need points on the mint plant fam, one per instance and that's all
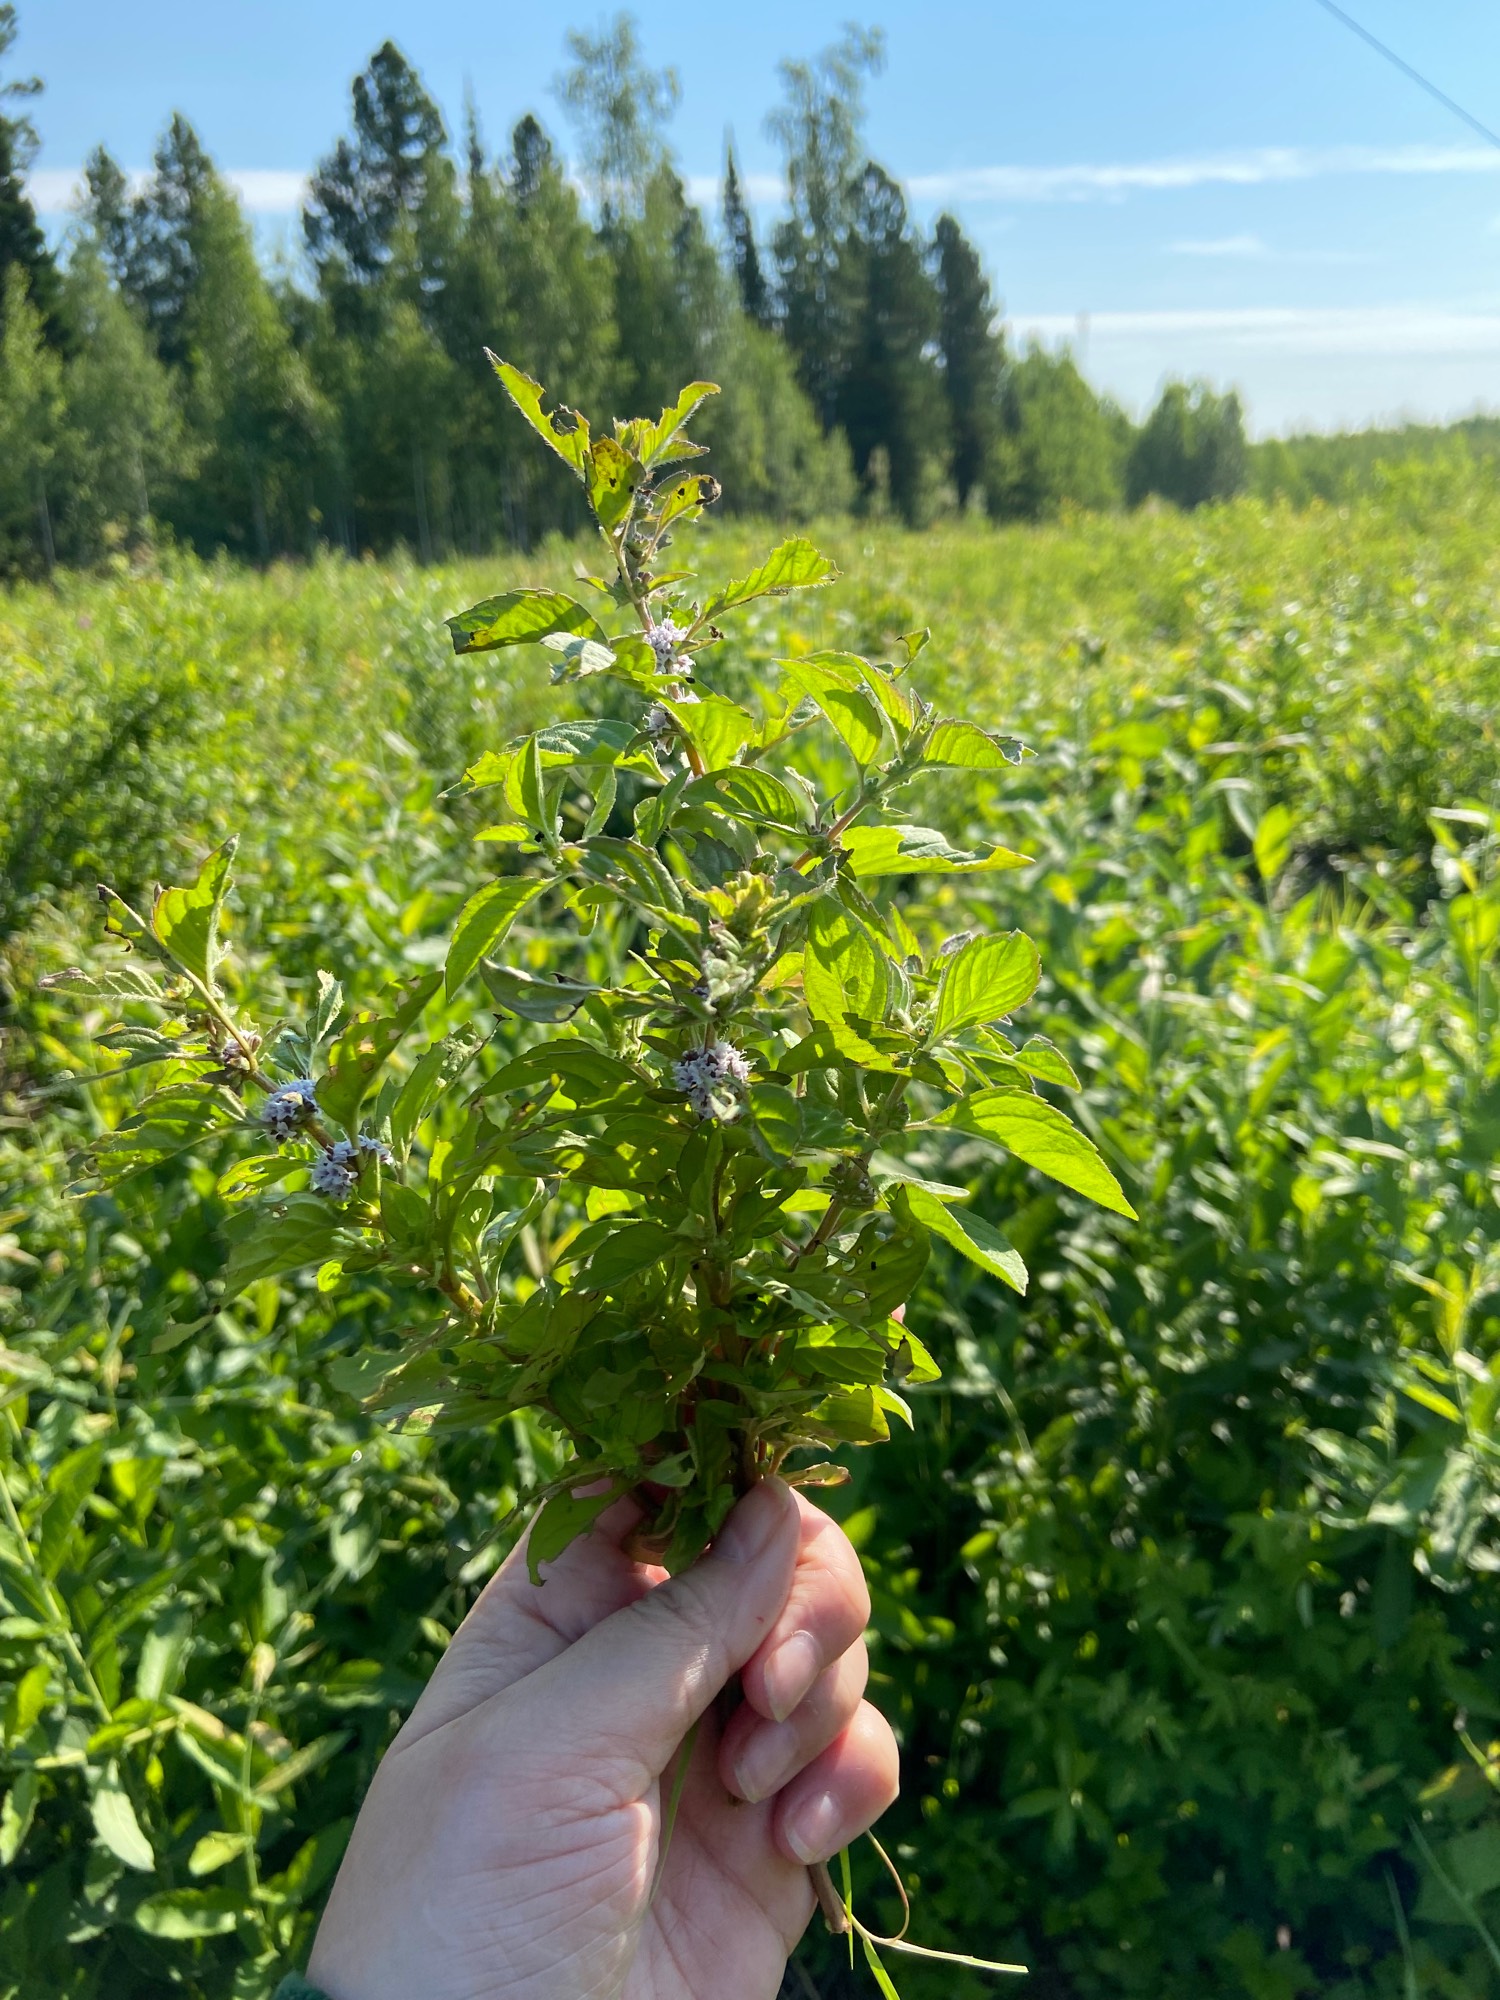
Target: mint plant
(671, 1218)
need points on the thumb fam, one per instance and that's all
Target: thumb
(634, 1686)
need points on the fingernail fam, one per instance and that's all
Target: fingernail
(753, 1523)
(813, 1831)
(765, 1764)
(790, 1673)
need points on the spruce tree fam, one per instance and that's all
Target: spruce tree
(973, 354)
(368, 185)
(162, 248)
(110, 216)
(889, 397)
(739, 228)
(532, 160)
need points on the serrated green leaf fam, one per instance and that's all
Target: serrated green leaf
(660, 443)
(612, 478)
(521, 617)
(325, 1009)
(569, 439)
(970, 1234)
(185, 922)
(844, 971)
(1038, 1133)
(859, 721)
(534, 999)
(717, 729)
(746, 792)
(1040, 1059)
(685, 498)
(985, 980)
(601, 740)
(580, 657)
(796, 565)
(305, 1231)
(628, 1247)
(965, 746)
(918, 850)
(432, 1074)
(483, 922)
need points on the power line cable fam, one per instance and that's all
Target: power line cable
(1406, 69)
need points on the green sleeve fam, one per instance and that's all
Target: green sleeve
(295, 1987)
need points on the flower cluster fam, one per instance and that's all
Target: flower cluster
(336, 1171)
(288, 1108)
(712, 1078)
(664, 640)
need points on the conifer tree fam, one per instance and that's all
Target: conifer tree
(368, 185)
(247, 399)
(109, 216)
(162, 244)
(739, 228)
(889, 398)
(973, 354)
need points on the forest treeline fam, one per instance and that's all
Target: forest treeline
(156, 378)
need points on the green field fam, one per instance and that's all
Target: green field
(1187, 1582)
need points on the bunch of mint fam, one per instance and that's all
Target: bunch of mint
(676, 1225)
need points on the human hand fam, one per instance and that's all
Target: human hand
(509, 1845)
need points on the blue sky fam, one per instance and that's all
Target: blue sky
(1234, 188)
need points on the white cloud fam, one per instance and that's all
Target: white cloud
(275, 191)
(1393, 331)
(1221, 246)
(758, 189)
(263, 190)
(1253, 168)
(267, 190)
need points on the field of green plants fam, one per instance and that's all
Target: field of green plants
(1187, 1580)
